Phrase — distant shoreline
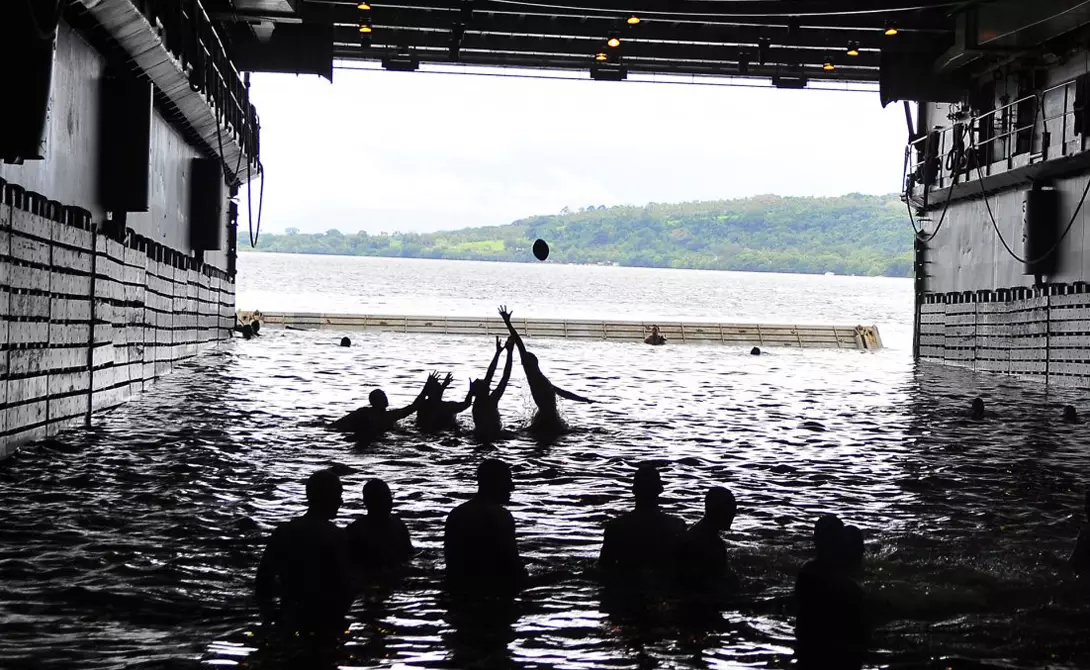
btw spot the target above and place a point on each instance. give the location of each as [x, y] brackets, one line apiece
[531, 260]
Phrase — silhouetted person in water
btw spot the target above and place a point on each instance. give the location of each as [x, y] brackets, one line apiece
[345, 342]
[378, 541]
[755, 351]
[433, 414]
[976, 410]
[1071, 415]
[486, 411]
[1080, 558]
[373, 421]
[702, 554]
[655, 338]
[642, 543]
[830, 628]
[547, 419]
[479, 538]
[303, 581]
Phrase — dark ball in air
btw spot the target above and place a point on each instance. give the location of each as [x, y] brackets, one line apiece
[345, 342]
[755, 351]
[541, 249]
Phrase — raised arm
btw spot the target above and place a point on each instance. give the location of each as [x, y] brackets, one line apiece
[506, 315]
[457, 407]
[502, 386]
[570, 396]
[492, 366]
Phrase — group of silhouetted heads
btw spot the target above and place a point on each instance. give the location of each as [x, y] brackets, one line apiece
[977, 411]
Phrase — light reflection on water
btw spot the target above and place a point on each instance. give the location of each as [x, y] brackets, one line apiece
[134, 544]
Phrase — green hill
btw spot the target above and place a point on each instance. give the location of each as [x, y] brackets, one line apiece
[852, 234]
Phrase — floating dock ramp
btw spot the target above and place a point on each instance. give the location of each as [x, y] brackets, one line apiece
[837, 337]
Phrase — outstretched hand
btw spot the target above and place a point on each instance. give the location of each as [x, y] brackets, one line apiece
[499, 345]
[447, 380]
[505, 314]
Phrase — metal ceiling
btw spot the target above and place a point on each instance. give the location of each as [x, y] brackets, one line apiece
[800, 39]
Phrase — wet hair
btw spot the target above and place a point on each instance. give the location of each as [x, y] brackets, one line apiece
[324, 491]
[719, 504]
[755, 351]
[494, 478]
[647, 483]
[654, 329]
[976, 410]
[377, 497]
[345, 342]
[1071, 415]
[378, 398]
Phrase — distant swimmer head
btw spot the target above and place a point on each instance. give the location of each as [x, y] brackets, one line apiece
[1071, 415]
[827, 535]
[654, 330]
[720, 507]
[494, 480]
[647, 484]
[853, 547]
[345, 342]
[976, 410]
[378, 399]
[324, 493]
[377, 498]
[755, 351]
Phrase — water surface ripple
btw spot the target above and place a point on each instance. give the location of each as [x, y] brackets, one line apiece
[134, 544]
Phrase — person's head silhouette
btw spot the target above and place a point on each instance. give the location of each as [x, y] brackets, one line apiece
[345, 342]
[647, 485]
[377, 498]
[977, 409]
[720, 507]
[494, 480]
[324, 493]
[378, 399]
[1071, 415]
[478, 388]
[529, 360]
[827, 536]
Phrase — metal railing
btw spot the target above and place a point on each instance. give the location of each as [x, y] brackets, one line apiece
[188, 34]
[1019, 132]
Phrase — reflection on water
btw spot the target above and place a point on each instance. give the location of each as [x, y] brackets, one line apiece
[134, 544]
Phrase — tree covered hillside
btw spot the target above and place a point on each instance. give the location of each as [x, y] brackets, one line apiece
[852, 234]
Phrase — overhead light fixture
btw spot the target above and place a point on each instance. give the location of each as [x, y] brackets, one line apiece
[365, 28]
[364, 6]
[601, 57]
[853, 49]
[891, 29]
[828, 65]
[613, 41]
[633, 20]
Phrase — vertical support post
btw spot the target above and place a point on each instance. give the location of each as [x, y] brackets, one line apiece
[91, 335]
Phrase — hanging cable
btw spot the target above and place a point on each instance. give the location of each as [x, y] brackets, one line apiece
[250, 202]
[946, 206]
[995, 224]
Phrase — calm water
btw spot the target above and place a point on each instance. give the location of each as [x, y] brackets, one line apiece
[134, 544]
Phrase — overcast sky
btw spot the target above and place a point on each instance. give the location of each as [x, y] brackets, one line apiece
[391, 151]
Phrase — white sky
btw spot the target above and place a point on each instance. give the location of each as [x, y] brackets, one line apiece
[392, 151]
